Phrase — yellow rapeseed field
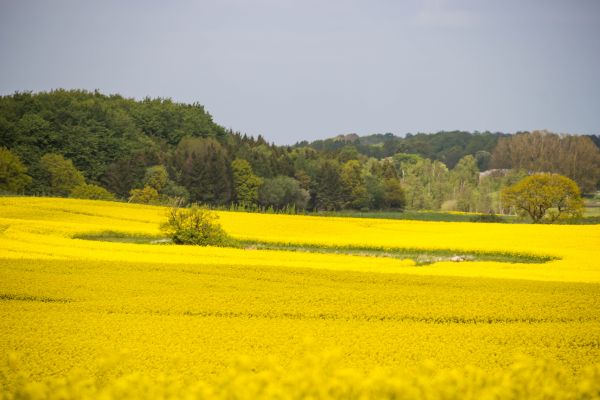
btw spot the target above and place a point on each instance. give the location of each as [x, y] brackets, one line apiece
[91, 319]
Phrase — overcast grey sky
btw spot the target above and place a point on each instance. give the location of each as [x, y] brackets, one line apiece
[308, 69]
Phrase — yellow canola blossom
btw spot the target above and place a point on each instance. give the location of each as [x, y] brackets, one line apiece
[44, 227]
[88, 319]
[318, 376]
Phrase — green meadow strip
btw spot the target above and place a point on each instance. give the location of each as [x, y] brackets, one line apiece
[419, 256]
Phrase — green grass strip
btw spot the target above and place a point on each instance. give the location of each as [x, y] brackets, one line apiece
[419, 256]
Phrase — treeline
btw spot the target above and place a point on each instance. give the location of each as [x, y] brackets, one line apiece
[86, 144]
[448, 147]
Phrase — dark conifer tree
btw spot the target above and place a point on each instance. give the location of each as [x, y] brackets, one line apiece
[329, 187]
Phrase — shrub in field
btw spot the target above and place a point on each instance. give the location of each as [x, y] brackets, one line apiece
[194, 225]
[147, 195]
[92, 192]
[544, 196]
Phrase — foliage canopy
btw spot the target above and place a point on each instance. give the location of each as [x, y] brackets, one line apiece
[544, 196]
[245, 183]
[91, 192]
[178, 151]
[574, 156]
[146, 195]
[194, 225]
[281, 192]
[63, 176]
[13, 174]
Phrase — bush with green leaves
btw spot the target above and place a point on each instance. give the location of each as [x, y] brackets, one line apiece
[146, 195]
[13, 174]
[194, 225]
[91, 192]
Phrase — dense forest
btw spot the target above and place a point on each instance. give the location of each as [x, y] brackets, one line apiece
[447, 147]
[87, 144]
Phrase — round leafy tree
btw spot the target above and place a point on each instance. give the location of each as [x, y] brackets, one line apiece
[544, 196]
[147, 195]
[194, 225]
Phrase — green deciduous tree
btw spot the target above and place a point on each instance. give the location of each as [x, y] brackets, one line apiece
[355, 190]
[92, 192]
[175, 193]
[62, 174]
[464, 178]
[194, 225]
[245, 183]
[96, 130]
[544, 196]
[425, 182]
[303, 178]
[156, 177]
[393, 195]
[483, 159]
[347, 153]
[281, 192]
[540, 151]
[147, 195]
[13, 174]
